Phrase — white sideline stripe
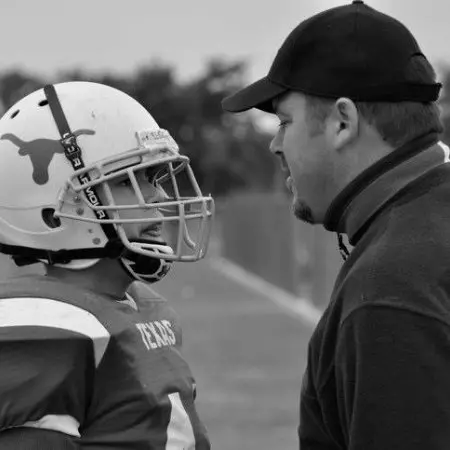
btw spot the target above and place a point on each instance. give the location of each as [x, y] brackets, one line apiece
[63, 423]
[45, 312]
[299, 306]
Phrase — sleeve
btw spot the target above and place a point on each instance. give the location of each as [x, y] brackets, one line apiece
[49, 351]
[392, 379]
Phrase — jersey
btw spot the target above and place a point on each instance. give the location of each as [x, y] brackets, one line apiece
[110, 374]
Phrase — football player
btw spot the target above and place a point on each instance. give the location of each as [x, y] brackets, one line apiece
[89, 354]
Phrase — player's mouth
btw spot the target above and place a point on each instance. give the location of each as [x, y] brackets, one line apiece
[153, 231]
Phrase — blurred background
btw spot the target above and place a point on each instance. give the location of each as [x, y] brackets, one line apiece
[248, 309]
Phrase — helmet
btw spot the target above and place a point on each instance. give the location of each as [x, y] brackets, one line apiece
[61, 147]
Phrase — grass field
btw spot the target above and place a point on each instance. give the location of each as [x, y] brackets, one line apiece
[247, 355]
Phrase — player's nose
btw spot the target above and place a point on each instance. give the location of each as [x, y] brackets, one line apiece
[157, 195]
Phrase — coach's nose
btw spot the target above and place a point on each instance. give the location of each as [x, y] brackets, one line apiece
[276, 144]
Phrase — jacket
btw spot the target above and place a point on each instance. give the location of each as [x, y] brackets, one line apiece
[378, 370]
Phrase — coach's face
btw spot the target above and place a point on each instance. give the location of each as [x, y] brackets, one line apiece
[311, 153]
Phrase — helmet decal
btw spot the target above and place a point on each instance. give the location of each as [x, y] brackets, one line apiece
[41, 152]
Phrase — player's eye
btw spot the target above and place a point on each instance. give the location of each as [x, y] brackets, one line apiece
[125, 182]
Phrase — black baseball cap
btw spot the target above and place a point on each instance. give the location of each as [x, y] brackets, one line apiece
[349, 51]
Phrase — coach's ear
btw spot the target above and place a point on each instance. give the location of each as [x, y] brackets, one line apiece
[345, 119]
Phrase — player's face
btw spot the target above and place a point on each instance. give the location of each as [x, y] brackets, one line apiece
[124, 194]
[306, 158]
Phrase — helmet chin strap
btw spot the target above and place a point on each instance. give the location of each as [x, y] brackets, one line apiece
[149, 269]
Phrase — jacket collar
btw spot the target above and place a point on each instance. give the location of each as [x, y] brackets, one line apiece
[366, 195]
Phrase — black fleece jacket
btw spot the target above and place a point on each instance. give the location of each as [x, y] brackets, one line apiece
[378, 373]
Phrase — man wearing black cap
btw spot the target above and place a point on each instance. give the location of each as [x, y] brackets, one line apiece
[359, 141]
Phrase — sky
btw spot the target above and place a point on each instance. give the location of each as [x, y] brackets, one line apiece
[46, 36]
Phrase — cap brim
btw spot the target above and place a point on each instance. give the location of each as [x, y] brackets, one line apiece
[257, 95]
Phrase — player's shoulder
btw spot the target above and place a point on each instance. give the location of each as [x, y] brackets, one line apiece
[37, 285]
[143, 292]
[52, 290]
[48, 295]
[150, 301]
[32, 308]
[155, 313]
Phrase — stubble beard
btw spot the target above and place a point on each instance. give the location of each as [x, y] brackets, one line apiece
[303, 212]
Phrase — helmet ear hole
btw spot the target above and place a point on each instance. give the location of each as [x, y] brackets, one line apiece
[48, 216]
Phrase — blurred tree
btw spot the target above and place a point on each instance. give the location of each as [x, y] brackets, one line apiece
[14, 85]
[228, 152]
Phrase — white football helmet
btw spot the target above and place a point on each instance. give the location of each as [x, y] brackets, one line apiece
[61, 147]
